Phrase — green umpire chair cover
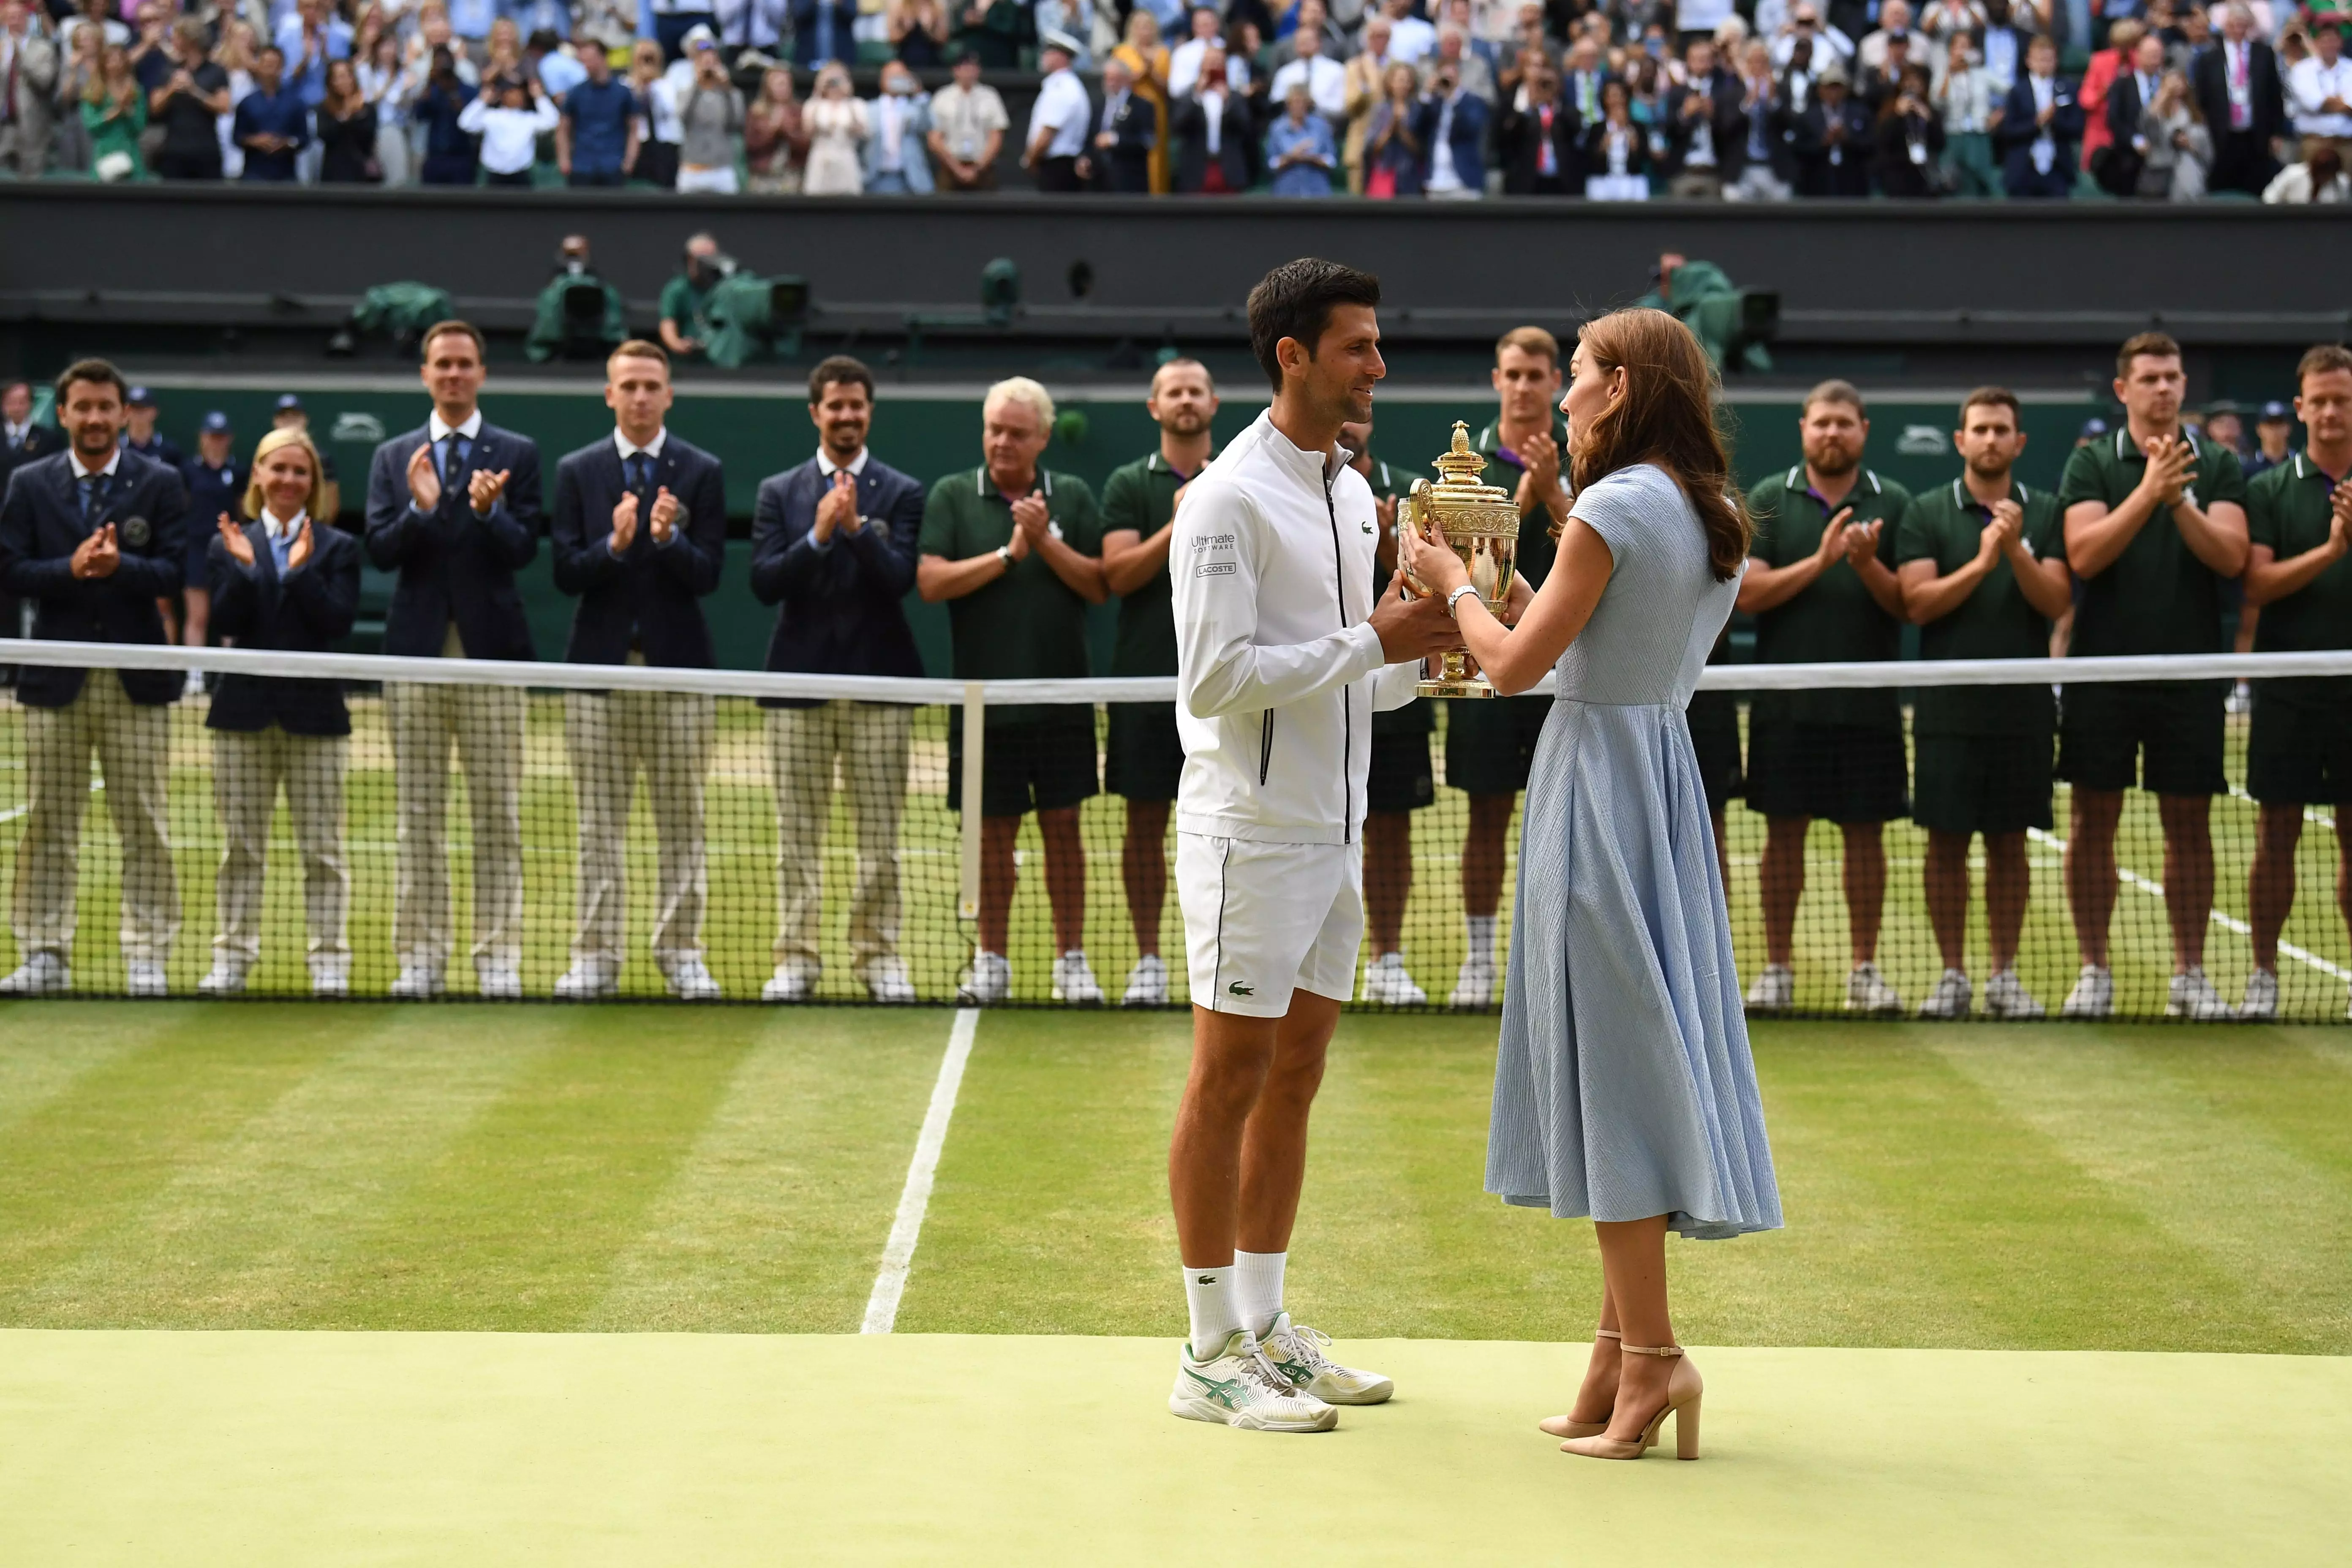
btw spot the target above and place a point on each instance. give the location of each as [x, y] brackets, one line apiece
[402, 310]
[587, 324]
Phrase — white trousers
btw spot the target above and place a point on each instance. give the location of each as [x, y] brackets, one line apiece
[868, 741]
[485, 723]
[132, 744]
[667, 737]
[248, 770]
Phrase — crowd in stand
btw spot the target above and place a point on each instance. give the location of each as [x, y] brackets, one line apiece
[2136, 550]
[1606, 99]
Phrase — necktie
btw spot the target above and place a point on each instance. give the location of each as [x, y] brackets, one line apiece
[639, 472]
[452, 468]
[93, 494]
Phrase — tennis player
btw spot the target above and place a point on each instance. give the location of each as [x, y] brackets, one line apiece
[1282, 655]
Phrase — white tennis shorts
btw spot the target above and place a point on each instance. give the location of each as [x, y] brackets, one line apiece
[1261, 921]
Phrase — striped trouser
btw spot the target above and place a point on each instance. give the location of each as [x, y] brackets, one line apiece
[133, 744]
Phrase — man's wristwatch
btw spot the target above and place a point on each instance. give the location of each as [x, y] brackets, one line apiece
[1454, 600]
[1004, 553]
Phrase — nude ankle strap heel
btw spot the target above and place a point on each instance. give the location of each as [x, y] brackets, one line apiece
[1566, 1427]
[1684, 1389]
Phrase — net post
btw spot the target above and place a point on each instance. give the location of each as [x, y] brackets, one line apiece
[975, 710]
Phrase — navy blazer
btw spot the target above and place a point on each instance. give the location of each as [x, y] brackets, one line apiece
[647, 597]
[840, 610]
[1469, 140]
[453, 565]
[41, 525]
[306, 610]
[2016, 134]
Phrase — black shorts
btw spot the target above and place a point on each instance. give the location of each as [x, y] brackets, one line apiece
[2300, 752]
[2105, 727]
[1145, 756]
[1028, 767]
[1400, 778]
[1838, 772]
[1490, 742]
[1715, 736]
[1981, 784]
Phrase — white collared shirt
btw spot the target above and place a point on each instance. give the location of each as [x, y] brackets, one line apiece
[281, 534]
[828, 467]
[1326, 79]
[83, 472]
[2311, 84]
[14, 435]
[1061, 108]
[437, 429]
[652, 449]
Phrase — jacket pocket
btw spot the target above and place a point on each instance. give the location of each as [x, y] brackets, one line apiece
[1265, 746]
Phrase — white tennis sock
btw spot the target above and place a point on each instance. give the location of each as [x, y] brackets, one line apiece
[1209, 1294]
[1257, 1288]
[1482, 936]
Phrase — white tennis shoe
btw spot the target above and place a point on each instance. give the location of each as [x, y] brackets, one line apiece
[1239, 1387]
[885, 980]
[1951, 997]
[1386, 984]
[2193, 996]
[1774, 990]
[43, 974]
[1074, 981]
[2093, 995]
[987, 982]
[2262, 997]
[1147, 982]
[1866, 990]
[1296, 1350]
[1474, 985]
[2007, 998]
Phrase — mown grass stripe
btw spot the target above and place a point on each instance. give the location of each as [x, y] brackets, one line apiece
[52, 1045]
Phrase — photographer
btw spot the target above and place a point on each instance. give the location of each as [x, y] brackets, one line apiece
[552, 331]
[685, 298]
[1451, 125]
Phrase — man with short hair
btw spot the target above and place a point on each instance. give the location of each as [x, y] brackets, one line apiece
[968, 126]
[2155, 521]
[2243, 97]
[452, 508]
[1014, 550]
[1283, 654]
[1412, 38]
[2273, 428]
[271, 123]
[2319, 88]
[21, 440]
[92, 536]
[639, 536]
[596, 140]
[1706, 130]
[1056, 148]
[2041, 126]
[186, 108]
[685, 298]
[29, 80]
[2299, 754]
[1819, 592]
[1212, 130]
[833, 545]
[1125, 132]
[1325, 79]
[1982, 565]
[140, 435]
[1146, 756]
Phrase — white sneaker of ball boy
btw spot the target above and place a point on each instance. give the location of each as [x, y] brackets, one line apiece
[1286, 644]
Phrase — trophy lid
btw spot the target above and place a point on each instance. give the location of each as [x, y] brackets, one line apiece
[1459, 470]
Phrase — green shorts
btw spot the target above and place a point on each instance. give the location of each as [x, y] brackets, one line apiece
[1145, 756]
[2299, 752]
[1838, 772]
[1715, 736]
[1028, 767]
[1490, 742]
[2166, 732]
[1981, 784]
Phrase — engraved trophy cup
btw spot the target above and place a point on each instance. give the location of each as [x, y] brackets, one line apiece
[1481, 523]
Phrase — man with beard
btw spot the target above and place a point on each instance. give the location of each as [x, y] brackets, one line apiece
[1982, 562]
[1819, 592]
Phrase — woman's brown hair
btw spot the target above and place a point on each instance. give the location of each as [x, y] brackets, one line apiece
[1666, 417]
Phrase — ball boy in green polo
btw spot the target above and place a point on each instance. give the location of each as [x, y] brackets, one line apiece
[1014, 552]
[1820, 590]
[1982, 562]
[1146, 757]
[2156, 523]
[2298, 524]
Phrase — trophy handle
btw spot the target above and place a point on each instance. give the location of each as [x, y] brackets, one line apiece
[1412, 511]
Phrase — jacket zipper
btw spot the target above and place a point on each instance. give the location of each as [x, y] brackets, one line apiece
[1347, 708]
[1265, 746]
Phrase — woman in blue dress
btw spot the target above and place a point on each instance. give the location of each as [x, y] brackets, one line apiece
[1623, 1087]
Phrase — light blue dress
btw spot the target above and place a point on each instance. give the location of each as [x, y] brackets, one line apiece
[1624, 1086]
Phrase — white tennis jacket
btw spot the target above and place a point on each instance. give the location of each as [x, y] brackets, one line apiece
[1278, 672]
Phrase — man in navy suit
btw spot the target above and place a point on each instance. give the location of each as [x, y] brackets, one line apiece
[833, 548]
[639, 532]
[92, 536]
[453, 507]
[2041, 126]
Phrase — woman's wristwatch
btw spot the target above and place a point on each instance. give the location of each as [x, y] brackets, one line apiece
[1454, 600]
[1004, 553]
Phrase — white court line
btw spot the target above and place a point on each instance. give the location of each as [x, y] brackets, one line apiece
[97, 786]
[2229, 924]
[898, 1252]
[2310, 813]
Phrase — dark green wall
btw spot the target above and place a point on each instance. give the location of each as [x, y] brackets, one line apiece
[931, 437]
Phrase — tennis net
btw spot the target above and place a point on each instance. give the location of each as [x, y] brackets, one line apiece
[582, 833]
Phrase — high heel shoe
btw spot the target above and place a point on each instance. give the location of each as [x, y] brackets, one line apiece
[1567, 1426]
[1683, 1388]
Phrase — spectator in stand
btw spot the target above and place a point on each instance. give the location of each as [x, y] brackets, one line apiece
[1207, 27]
[2040, 125]
[1941, 21]
[1213, 133]
[1123, 136]
[556, 70]
[1969, 103]
[1147, 65]
[390, 89]
[289, 580]
[2117, 167]
[671, 21]
[833, 545]
[1819, 591]
[823, 33]
[187, 106]
[1538, 141]
[509, 116]
[1411, 38]
[1910, 151]
[1325, 79]
[596, 140]
[2299, 753]
[1451, 126]
[968, 126]
[1884, 79]
[2179, 148]
[919, 33]
[685, 298]
[452, 153]
[28, 78]
[215, 485]
[1982, 565]
[1392, 148]
[1367, 82]
[1014, 550]
[775, 136]
[1145, 755]
[2242, 95]
[1587, 71]
[997, 31]
[1704, 127]
[2156, 523]
[660, 131]
[1058, 121]
[1470, 69]
[900, 116]
[1300, 151]
[1767, 166]
[1835, 140]
[234, 53]
[2098, 76]
[1805, 28]
[346, 124]
[2273, 428]
[1616, 151]
[1893, 34]
[309, 38]
[837, 129]
[114, 115]
[711, 115]
[2321, 87]
[2318, 178]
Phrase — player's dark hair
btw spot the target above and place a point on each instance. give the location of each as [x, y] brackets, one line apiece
[1295, 300]
[93, 370]
[2144, 345]
[1992, 397]
[2321, 359]
[833, 371]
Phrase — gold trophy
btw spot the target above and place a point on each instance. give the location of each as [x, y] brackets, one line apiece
[1482, 526]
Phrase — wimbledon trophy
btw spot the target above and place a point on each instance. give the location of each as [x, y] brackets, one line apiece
[1482, 526]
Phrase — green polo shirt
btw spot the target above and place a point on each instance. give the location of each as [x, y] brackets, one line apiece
[1536, 547]
[1141, 496]
[1027, 625]
[2287, 509]
[1417, 717]
[686, 306]
[1834, 619]
[1945, 525]
[2156, 597]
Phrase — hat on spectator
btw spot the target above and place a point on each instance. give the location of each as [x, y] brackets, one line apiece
[140, 397]
[1054, 38]
[698, 36]
[2092, 430]
[215, 424]
[1831, 72]
[2275, 413]
[291, 400]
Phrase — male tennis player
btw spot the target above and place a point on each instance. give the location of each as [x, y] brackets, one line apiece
[1279, 664]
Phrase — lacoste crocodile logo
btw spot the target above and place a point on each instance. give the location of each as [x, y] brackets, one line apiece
[1238, 989]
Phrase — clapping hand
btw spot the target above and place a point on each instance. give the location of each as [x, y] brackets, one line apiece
[2170, 472]
[2339, 517]
[424, 479]
[484, 488]
[665, 516]
[1030, 522]
[97, 555]
[624, 524]
[837, 508]
[1833, 532]
[1862, 543]
[299, 550]
[1540, 478]
[240, 548]
[2006, 527]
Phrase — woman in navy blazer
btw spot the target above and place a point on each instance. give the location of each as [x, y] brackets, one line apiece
[289, 581]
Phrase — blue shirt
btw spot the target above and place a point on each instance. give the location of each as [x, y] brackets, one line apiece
[1302, 179]
[558, 73]
[472, 18]
[600, 125]
[280, 113]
